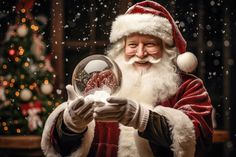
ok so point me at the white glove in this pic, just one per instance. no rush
(79, 111)
(124, 111)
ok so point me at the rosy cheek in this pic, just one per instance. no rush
(129, 53)
(127, 57)
(157, 54)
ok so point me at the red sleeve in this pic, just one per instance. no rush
(193, 99)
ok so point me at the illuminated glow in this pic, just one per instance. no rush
(11, 52)
(23, 20)
(21, 51)
(31, 87)
(26, 64)
(57, 103)
(23, 10)
(17, 93)
(49, 103)
(13, 80)
(17, 59)
(22, 76)
(46, 81)
(5, 83)
(11, 85)
(4, 123)
(34, 27)
(34, 84)
(18, 130)
(4, 66)
(5, 128)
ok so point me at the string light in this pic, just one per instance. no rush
(5, 128)
(4, 124)
(21, 51)
(11, 85)
(5, 83)
(26, 64)
(22, 76)
(17, 59)
(34, 27)
(17, 93)
(18, 130)
(22, 86)
(31, 87)
(49, 103)
(34, 84)
(46, 82)
(4, 66)
(23, 10)
(23, 20)
(13, 80)
(57, 103)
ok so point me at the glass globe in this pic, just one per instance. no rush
(96, 73)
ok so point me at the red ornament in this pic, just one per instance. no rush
(11, 52)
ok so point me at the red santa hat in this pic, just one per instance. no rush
(149, 17)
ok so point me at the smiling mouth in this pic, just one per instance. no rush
(142, 62)
(144, 65)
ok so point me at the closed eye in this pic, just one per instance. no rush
(150, 44)
(132, 45)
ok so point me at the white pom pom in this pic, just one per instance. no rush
(187, 62)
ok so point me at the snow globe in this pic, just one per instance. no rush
(96, 77)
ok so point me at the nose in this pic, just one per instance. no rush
(140, 52)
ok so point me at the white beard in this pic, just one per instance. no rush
(151, 86)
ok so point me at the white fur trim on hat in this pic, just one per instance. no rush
(149, 24)
(187, 62)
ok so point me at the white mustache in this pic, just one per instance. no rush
(149, 59)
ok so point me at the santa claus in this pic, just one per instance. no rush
(160, 110)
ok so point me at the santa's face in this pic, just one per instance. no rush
(149, 78)
(142, 50)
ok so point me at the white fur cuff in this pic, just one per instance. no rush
(143, 118)
(183, 133)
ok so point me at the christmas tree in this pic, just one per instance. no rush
(26, 77)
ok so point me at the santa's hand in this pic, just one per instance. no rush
(78, 113)
(124, 111)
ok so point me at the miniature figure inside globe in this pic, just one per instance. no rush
(96, 75)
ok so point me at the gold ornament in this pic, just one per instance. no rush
(18, 130)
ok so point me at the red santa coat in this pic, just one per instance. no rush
(188, 113)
